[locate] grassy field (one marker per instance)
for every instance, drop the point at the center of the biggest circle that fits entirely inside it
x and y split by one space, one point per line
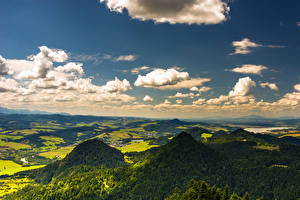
9 185
268 148
29 131
9 167
136 146
14 145
51 142
11 137
205 136
59 153
121 134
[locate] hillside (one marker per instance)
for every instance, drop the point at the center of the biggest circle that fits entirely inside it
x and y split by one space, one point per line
91 153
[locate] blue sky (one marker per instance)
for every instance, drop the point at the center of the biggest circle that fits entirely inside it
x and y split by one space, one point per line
190 43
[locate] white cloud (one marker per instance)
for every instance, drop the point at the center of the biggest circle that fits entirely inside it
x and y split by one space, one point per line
179 101
71 67
173 11
298 23
186 84
289 99
168 79
8 85
241 93
245 46
139 69
125 58
219 100
147 98
183 95
272 86
297 87
202 89
38 65
117 86
244 87
50 86
161 77
199 101
249 69
4 70
167 101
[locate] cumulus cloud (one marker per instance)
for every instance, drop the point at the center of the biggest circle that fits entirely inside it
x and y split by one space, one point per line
297 87
249 69
4 70
272 86
186 84
245 46
179 101
71 67
242 92
244 87
39 81
167 101
219 100
8 85
161 77
147 98
199 101
290 99
137 70
38 65
168 79
183 95
173 11
117 86
125 58
202 89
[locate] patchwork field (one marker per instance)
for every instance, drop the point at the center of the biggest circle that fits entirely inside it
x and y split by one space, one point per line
58 153
137 146
9 185
8 167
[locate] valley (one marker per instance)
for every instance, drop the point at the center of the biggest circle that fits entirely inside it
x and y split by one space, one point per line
30 142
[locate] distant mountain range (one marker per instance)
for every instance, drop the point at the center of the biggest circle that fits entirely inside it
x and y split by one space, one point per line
27 112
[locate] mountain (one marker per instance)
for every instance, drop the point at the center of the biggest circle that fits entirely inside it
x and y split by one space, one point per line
174 164
243 160
26 112
167 126
90 153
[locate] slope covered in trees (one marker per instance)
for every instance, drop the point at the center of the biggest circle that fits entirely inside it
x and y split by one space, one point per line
89 153
201 190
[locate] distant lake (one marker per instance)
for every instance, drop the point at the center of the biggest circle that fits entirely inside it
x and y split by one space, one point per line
266 129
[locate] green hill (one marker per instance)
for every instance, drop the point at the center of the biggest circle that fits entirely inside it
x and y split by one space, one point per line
90 153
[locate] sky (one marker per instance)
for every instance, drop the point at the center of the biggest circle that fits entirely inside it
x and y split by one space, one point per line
158 58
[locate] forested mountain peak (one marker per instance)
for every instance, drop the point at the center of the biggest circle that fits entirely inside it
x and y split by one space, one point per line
95 153
90 153
183 137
